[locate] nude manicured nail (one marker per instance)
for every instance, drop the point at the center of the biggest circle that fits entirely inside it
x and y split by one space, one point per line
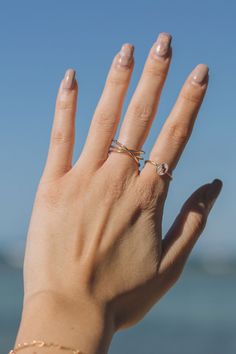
126 53
163 42
214 188
200 74
212 193
69 78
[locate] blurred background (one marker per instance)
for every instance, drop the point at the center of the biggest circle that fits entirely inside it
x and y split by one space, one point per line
39 41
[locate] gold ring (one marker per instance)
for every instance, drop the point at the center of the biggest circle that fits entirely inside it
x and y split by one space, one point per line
119 147
161 168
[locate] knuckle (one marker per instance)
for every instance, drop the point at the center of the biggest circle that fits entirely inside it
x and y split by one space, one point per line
196 222
116 79
156 71
105 120
59 138
65 105
142 113
192 96
178 132
116 182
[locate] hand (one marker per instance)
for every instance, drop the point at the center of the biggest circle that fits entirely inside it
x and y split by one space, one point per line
95 257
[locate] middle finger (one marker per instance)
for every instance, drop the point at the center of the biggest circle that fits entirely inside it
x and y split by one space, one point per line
143 105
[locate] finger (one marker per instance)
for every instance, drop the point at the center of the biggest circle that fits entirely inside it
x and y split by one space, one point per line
108 110
143 105
178 126
185 231
60 151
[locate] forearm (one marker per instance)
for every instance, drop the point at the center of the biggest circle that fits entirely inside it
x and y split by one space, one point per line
52 319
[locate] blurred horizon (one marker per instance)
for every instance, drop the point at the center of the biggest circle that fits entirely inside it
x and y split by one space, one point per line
13 257
39 41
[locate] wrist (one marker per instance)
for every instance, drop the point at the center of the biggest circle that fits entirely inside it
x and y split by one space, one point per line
52 318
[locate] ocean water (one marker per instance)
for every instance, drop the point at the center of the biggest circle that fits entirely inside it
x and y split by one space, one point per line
198 316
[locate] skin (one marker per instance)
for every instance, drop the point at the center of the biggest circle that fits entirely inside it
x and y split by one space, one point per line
96 260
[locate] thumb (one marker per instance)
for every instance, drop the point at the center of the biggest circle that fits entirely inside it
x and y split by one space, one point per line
186 229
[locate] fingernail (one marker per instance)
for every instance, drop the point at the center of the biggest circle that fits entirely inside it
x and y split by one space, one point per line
200 74
214 189
69 79
126 53
162 47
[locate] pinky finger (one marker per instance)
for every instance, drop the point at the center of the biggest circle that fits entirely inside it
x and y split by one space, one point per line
61 146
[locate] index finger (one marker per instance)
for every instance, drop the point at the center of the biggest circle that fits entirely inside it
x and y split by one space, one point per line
178 127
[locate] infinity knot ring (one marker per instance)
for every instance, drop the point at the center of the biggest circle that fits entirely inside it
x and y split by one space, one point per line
161 168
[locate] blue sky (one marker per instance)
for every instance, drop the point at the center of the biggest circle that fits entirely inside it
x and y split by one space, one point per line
40 40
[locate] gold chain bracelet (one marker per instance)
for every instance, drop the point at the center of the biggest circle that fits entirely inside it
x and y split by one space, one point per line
40 344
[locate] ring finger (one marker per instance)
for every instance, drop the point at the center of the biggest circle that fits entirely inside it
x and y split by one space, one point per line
107 114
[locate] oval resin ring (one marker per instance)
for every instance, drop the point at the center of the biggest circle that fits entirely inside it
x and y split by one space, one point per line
161 168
